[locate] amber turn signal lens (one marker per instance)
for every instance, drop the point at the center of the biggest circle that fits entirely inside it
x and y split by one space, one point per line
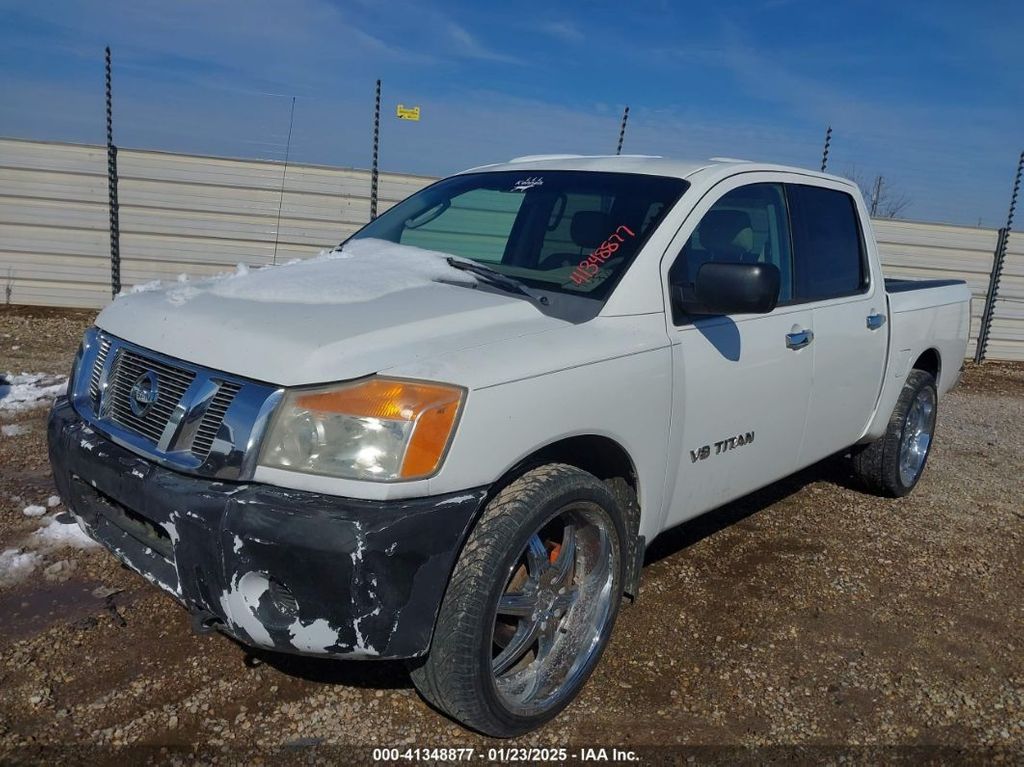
431 408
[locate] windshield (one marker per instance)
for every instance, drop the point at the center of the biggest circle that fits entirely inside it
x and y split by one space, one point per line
571 233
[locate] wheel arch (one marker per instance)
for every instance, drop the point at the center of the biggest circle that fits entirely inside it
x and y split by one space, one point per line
598 454
929 361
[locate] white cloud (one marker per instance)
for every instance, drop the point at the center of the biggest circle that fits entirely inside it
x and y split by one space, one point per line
565 31
466 44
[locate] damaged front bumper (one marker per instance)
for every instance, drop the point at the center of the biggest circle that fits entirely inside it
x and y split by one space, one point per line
280 569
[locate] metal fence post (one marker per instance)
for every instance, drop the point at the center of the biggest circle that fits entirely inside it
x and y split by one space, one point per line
622 130
376 153
115 227
997 269
824 154
990 297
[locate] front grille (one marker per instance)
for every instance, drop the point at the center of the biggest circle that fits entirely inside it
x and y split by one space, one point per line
97 370
171 385
213 418
220 414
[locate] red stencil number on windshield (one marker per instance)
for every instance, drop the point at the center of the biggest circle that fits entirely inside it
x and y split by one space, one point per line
591 266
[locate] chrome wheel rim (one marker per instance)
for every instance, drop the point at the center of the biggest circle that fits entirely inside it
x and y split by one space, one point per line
917 435
554 608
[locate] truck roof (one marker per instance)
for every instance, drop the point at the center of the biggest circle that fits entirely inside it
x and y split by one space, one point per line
645 164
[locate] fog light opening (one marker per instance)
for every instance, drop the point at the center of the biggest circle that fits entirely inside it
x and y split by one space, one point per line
282 598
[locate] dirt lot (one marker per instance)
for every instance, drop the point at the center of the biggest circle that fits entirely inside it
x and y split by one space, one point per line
807 614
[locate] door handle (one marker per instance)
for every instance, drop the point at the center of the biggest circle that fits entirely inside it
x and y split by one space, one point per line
875 321
799 339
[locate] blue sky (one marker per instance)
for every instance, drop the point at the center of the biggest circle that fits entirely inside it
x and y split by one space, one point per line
931 95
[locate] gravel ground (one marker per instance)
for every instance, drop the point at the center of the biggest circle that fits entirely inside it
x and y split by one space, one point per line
808 614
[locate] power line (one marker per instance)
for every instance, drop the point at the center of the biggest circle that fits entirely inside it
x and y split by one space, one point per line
284 174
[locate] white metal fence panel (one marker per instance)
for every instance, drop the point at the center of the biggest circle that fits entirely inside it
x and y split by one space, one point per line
203 215
938 251
178 214
1006 341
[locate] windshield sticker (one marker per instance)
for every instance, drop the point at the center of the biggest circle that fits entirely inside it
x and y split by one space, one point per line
589 267
527 183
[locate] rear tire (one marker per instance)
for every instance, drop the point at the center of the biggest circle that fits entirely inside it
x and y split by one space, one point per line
892 465
543 571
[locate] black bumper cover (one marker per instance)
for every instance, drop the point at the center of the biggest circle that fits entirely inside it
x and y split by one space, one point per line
287 570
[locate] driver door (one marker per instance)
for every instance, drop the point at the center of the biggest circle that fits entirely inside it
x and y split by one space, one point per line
741 383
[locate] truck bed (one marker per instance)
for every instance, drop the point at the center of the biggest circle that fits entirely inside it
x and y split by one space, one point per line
896 285
924 315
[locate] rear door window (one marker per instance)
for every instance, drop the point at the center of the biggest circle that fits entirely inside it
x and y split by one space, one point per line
827 243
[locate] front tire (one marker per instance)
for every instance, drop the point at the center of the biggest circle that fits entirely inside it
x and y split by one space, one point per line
893 464
531 603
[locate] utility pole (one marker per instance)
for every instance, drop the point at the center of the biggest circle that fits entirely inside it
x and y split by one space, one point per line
876 195
622 130
115 227
824 154
376 152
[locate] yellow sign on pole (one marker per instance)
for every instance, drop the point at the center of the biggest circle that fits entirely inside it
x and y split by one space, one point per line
408 113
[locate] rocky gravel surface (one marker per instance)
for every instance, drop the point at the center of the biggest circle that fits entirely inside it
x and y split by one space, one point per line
807 615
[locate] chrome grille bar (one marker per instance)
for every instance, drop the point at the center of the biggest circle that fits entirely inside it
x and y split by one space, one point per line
173 383
97 370
213 418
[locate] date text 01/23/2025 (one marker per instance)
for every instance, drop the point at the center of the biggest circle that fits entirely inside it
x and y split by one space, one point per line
506 754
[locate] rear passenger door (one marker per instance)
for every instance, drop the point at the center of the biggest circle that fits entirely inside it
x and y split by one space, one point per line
833 278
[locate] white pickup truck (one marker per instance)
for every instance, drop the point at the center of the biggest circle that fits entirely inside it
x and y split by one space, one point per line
450 438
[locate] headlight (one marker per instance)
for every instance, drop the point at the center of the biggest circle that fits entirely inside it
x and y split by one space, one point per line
379 429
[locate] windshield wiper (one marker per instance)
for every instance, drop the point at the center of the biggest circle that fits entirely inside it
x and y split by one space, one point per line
495 278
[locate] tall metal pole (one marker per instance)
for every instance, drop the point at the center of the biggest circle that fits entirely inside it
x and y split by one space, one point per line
284 175
824 155
115 228
876 196
997 269
622 130
376 153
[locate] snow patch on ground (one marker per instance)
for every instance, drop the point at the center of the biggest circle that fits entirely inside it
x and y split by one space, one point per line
362 270
29 390
14 429
54 535
15 565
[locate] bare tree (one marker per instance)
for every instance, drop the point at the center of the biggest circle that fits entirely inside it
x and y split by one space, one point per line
883 199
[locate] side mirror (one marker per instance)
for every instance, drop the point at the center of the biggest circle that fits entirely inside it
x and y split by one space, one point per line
731 288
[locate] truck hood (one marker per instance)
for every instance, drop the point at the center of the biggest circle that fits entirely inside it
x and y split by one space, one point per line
326 319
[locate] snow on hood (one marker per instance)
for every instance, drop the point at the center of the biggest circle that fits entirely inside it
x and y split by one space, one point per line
362 270
367 308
